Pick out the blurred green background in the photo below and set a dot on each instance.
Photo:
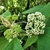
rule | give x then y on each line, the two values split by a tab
17	6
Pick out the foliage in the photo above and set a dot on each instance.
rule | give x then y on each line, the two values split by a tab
41	40
2	29
13	35
17	6
30	40
13	45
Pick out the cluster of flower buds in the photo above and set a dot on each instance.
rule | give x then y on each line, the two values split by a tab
35	24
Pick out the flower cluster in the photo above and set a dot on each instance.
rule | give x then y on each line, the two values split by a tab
13	32
35	24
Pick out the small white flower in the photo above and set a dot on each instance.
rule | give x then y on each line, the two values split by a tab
10	40
36	24
35	31
38	13
29	25
19	14
43	17
21	41
2	7
15	35
41	32
43	26
29	16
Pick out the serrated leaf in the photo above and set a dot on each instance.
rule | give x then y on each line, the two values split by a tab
30	41
13	45
44	40
5	14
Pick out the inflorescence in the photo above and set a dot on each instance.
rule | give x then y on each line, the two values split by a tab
35	24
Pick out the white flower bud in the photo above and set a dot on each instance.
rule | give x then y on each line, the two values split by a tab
38	13
2	7
10	40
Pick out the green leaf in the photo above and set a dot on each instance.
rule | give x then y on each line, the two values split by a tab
48	23
3	42
5	14
33	9
30	41
2	29
46	11
44	40
13	45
